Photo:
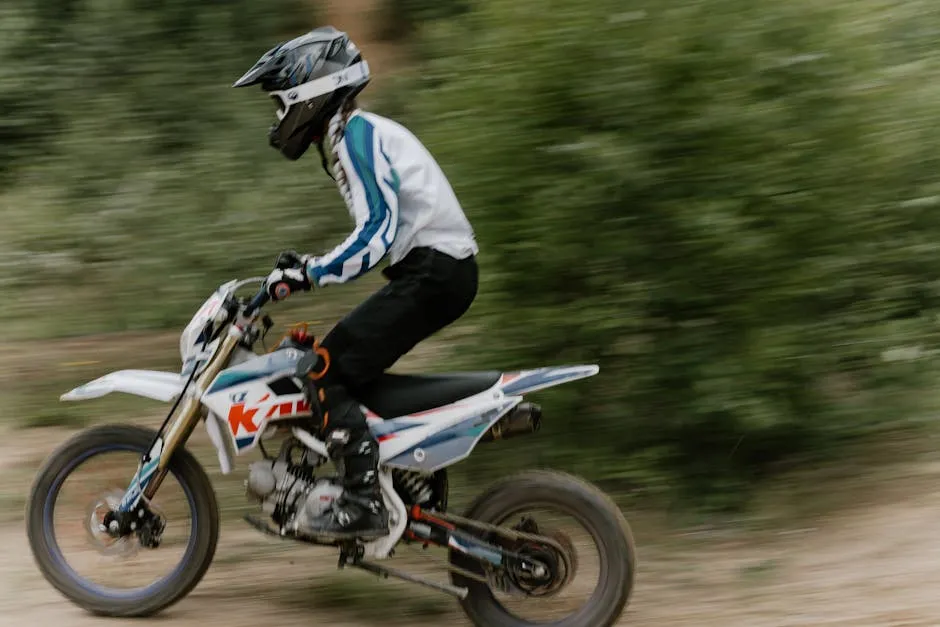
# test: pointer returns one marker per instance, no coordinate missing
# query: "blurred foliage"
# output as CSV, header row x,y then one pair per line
x,y
729,205
135,177
399,20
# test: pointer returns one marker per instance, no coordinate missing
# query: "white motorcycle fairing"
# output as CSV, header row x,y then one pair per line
x,y
258,390
160,386
245,399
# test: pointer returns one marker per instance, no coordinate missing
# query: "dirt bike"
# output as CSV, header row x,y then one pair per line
x,y
246,398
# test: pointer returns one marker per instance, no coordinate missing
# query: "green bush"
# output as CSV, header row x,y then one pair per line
x,y
398,20
729,205
136,178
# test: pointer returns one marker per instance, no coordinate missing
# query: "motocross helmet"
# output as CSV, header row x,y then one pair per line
x,y
309,78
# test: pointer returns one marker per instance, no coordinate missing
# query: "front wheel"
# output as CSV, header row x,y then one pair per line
x,y
596,538
102,575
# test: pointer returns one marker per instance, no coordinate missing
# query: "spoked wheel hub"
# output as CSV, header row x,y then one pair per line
x,y
540,570
104,529
113,532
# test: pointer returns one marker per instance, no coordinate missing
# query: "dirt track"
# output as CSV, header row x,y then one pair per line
x,y
875,563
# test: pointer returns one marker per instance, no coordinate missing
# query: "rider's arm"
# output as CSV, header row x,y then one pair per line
x,y
373,186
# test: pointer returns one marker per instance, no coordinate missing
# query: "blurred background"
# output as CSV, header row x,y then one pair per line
x,y
730,205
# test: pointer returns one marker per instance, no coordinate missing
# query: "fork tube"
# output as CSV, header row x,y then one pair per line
x,y
189,414
177,435
154,484
180,430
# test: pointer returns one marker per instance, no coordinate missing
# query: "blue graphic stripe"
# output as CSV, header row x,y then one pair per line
x,y
460,431
233,377
138,484
450,445
540,377
391,426
472,427
360,138
258,367
244,441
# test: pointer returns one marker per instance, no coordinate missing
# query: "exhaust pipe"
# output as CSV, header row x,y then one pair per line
x,y
525,418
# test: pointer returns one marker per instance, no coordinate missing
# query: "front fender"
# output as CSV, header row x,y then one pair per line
x,y
160,386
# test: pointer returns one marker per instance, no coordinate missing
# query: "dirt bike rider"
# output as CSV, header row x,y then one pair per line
x,y
404,208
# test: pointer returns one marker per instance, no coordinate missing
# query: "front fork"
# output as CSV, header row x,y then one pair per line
x,y
154,465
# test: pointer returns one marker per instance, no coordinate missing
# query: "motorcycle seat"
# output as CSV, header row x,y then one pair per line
x,y
394,395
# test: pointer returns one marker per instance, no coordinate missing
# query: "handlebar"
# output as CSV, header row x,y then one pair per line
x,y
263,296
260,300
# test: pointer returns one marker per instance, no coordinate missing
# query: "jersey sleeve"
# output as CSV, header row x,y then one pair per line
x,y
373,185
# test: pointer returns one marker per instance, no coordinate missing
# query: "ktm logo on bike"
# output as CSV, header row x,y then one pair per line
x,y
244,417
238,416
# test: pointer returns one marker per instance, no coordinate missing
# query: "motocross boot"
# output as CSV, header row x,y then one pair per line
x,y
360,511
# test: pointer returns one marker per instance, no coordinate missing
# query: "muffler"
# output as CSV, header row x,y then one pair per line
x,y
525,418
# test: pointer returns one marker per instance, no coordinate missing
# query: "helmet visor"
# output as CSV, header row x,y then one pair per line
x,y
286,98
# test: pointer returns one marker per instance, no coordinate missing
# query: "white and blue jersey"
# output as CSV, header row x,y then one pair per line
x,y
398,196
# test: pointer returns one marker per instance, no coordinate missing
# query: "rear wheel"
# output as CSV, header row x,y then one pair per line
x,y
598,539
101,575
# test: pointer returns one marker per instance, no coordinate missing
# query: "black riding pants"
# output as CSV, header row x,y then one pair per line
x,y
426,291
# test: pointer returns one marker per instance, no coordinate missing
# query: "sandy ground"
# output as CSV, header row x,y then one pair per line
x,y
875,562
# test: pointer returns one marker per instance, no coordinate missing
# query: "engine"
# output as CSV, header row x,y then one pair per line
x,y
289,492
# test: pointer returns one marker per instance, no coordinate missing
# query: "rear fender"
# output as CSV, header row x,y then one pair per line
x,y
528,381
160,386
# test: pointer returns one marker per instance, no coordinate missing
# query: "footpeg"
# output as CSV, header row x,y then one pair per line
x,y
261,525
